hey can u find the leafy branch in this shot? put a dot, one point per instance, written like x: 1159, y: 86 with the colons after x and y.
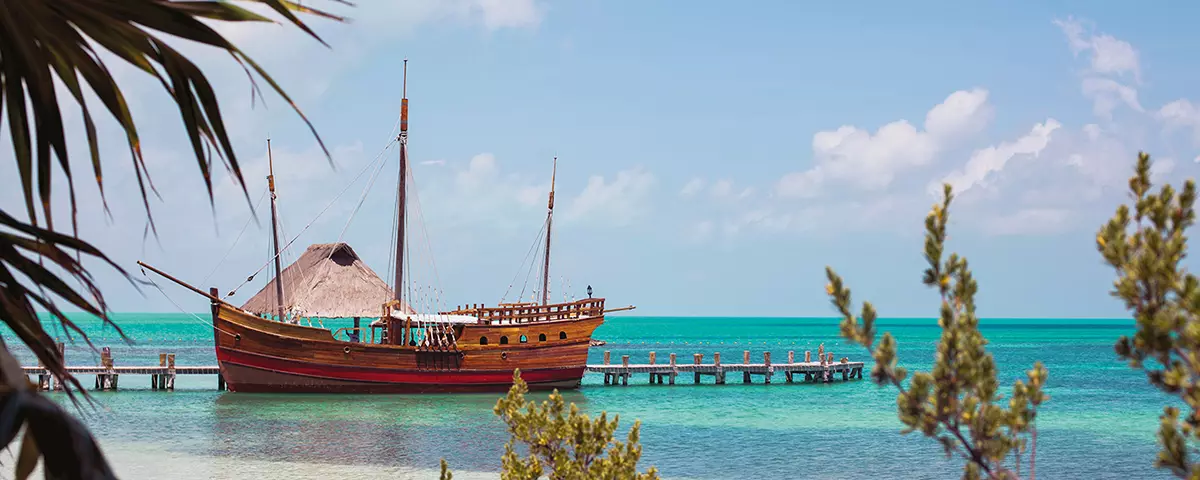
x: 957, y: 403
x: 563, y: 440
x: 1146, y: 247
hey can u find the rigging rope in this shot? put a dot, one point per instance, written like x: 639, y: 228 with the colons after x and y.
x: 425, y: 235
x: 322, y: 212
x: 533, y: 264
x: 537, y: 241
x: 342, y: 234
x: 235, y: 240
x: 169, y: 299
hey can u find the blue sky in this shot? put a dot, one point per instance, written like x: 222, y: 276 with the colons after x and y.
x: 712, y: 160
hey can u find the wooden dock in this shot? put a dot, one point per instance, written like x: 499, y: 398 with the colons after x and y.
x: 824, y: 370
x: 162, y: 376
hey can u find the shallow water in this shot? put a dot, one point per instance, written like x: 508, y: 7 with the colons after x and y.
x: 1099, y: 422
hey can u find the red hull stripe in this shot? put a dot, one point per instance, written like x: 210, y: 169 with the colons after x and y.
x: 395, y: 376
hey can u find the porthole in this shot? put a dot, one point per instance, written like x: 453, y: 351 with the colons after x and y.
x: 504, y: 340
x: 562, y: 335
x: 523, y: 339
x: 483, y: 340
x: 542, y: 337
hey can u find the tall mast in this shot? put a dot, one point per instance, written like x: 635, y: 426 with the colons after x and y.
x: 275, y: 232
x: 401, y: 205
x: 549, y: 222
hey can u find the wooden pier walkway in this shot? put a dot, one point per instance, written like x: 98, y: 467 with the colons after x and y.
x: 162, y: 376
x: 823, y: 370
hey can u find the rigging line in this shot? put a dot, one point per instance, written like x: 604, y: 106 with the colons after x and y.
x: 181, y: 310
x: 520, y: 267
x: 531, y: 266
x: 322, y: 212
x: 425, y: 233
x: 342, y: 234
x: 235, y: 240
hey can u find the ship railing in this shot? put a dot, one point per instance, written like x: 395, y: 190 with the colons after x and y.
x: 532, y: 313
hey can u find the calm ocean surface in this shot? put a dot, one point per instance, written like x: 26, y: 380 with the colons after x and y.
x: 1099, y: 422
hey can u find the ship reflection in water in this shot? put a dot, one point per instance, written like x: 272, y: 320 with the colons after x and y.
x: 397, y: 430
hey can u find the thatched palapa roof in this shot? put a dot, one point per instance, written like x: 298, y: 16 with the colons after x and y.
x: 329, y: 281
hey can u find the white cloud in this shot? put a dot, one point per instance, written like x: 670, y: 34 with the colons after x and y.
x: 497, y: 14
x: 1106, y: 93
x: 481, y: 173
x: 617, y: 202
x: 1109, y: 56
x: 1181, y: 114
x: 434, y: 163
x: 1032, y: 221
x: 962, y: 113
x: 692, y: 188
x: 871, y: 161
x: 992, y: 159
x: 725, y: 191
x: 1111, y: 59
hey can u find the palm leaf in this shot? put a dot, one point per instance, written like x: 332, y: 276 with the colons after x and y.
x: 44, y: 40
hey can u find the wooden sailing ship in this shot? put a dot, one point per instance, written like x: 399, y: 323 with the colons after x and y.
x: 468, y: 348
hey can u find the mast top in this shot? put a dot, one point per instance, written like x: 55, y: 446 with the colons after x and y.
x: 553, y: 173
x: 270, y: 168
x: 404, y: 105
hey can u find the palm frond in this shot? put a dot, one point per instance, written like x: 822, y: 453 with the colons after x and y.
x: 44, y: 40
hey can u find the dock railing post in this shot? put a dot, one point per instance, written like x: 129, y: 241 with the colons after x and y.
x: 787, y: 372
x: 719, y: 375
x: 44, y: 377
x: 606, y: 354
x: 767, y: 362
x: 652, y: 374
x: 156, y: 380
x: 808, y: 356
x: 62, y: 357
x: 106, y: 380
x: 170, y: 372
x: 746, y: 365
x: 674, y: 370
x: 625, y: 374
x: 698, y: 357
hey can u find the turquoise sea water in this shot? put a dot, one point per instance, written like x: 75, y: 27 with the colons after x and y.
x: 1099, y: 422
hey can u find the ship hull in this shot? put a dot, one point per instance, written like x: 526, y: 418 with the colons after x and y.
x: 260, y: 355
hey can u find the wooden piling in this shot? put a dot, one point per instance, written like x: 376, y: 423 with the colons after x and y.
x: 606, y: 353
x: 57, y: 384
x: 767, y: 362
x: 746, y: 360
x: 808, y: 356
x: 625, y: 374
x: 108, y: 379
x: 697, y: 357
x: 673, y: 370
x: 170, y: 377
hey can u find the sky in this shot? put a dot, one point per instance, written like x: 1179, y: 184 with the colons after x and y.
x: 711, y: 160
